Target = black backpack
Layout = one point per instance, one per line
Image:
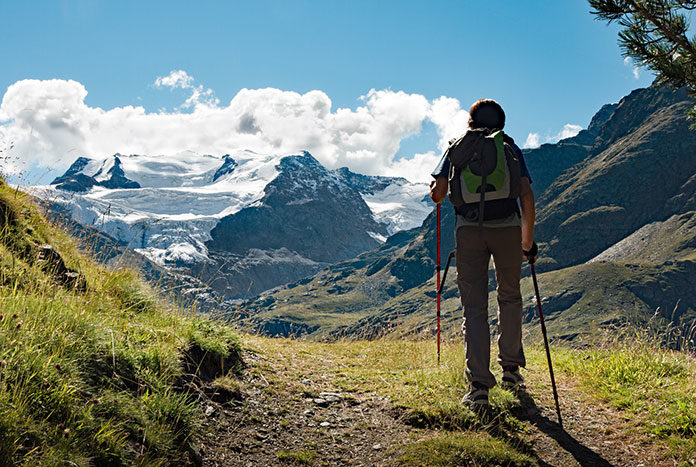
(483, 158)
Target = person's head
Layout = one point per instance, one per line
(486, 113)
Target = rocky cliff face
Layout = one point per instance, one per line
(306, 209)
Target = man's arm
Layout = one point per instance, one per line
(438, 189)
(528, 213)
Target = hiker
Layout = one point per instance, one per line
(495, 227)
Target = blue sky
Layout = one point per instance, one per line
(548, 63)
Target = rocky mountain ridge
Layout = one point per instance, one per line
(240, 223)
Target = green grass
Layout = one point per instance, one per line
(464, 449)
(91, 376)
(654, 387)
(302, 457)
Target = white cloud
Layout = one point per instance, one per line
(180, 79)
(416, 169)
(636, 71)
(569, 130)
(50, 125)
(451, 120)
(175, 79)
(534, 140)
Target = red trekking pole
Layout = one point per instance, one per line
(438, 283)
(530, 258)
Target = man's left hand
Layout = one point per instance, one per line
(531, 253)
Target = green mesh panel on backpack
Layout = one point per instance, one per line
(495, 178)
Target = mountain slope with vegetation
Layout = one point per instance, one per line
(625, 184)
(620, 194)
(94, 368)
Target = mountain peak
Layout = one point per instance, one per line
(86, 173)
(227, 167)
(304, 158)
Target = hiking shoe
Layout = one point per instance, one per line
(477, 397)
(512, 379)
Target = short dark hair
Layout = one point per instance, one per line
(486, 113)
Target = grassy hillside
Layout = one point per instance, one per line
(658, 242)
(94, 368)
(579, 302)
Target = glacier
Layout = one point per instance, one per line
(180, 198)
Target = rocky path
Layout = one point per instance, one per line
(292, 411)
(288, 417)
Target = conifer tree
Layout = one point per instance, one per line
(655, 34)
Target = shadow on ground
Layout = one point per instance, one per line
(530, 412)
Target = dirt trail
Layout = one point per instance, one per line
(295, 414)
(283, 413)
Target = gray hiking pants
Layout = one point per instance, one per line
(473, 255)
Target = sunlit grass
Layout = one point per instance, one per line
(89, 375)
(463, 449)
(655, 387)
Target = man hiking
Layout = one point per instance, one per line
(489, 222)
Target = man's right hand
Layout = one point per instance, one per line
(438, 189)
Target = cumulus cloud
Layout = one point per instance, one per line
(534, 140)
(446, 113)
(417, 168)
(569, 130)
(50, 125)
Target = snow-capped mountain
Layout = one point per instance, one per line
(244, 222)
